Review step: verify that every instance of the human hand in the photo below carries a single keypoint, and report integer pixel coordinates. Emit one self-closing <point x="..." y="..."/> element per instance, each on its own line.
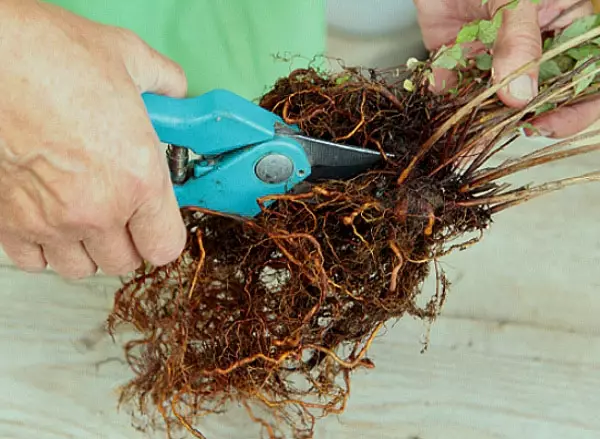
<point x="518" y="43"/>
<point x="83" y="180"/>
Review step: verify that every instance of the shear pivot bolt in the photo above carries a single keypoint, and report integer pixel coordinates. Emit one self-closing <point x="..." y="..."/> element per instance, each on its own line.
<point x="178" y="159"/>
<point x="274" y="168"/>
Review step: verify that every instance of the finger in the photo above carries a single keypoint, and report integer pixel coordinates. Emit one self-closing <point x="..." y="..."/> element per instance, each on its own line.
<point x="157" y="228"/>
<point x="113" y="252"/>
<point x="560" y="13"/>
<point x="443" y="80"/>
<point x="25" y="255"/>
<point x="568" y="121"/>
<point x="150" y="70"/>
<point x="519" y="42"/>
<point x="69" y="259"/>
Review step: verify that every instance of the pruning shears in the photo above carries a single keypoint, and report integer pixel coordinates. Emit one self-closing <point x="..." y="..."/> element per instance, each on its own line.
<point x="225" y="152"/>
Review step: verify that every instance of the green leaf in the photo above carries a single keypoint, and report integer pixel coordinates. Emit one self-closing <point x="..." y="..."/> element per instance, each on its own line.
<point x="548" y="43"/>
<point x="549" y="69"/>
<point x="565" y="62"/>
<point x="484" y="61"/>
<point x="468" y="33"/>
<point x="545" y="107"/>
<point x="577" y="28"/>
<point x="582" y="52"/>
<point x="343" y="79"/>
<point x="488" y="29"/>
<point x="584" y="83"/>
<point x="408" y="85"/>
<point x="448" y="58"/>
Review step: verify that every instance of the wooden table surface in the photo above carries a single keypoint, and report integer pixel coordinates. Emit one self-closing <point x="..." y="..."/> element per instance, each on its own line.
<point x="515" y="355"/>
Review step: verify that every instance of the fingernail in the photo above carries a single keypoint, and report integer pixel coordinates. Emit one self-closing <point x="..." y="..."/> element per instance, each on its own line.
<point x="522" y="88"/>
<point x="544" y="132"/>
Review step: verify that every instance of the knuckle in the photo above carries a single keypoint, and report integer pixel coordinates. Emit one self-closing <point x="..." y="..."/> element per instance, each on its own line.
<point x="526" y="41"/>
<point x="95" y="217"/>
<point x="164" y="255"/>
<point x="82" y="219"/>
<point x="520" y="43"/>
<point x="149" y="182"/>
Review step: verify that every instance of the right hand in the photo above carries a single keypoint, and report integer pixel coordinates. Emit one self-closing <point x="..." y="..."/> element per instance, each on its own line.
<point x="83" y="179"/>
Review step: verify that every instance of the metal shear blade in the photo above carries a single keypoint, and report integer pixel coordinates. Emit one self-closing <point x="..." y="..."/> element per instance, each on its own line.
<point x="330" y="160"/>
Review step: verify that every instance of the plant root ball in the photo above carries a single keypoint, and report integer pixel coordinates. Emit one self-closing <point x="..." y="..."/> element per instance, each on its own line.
<point x="276" y="312"/>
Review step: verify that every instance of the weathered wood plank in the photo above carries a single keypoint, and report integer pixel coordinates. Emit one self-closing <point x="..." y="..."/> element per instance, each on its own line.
<point x="479" y="379"/>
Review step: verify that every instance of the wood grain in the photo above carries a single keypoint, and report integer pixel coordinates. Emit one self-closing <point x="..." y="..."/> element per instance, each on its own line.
<point x="479" y="379"/>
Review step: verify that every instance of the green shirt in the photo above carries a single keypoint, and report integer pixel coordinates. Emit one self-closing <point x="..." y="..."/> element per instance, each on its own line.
<point x="233" y="44"/>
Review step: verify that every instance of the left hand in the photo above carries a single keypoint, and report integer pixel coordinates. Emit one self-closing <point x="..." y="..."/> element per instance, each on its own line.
<point x="518" y="43"/>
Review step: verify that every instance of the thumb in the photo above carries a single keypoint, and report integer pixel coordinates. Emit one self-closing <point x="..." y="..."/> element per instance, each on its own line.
<point x="519" y="42"/>
<point x="157" y="228"/>
<point x="150" y="70"/>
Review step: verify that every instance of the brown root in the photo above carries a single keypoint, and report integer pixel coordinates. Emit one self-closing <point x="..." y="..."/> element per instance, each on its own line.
<point x="276" y="312"/>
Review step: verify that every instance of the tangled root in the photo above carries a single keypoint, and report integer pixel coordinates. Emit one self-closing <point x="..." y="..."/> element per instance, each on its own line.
<point x="276" y="312"/>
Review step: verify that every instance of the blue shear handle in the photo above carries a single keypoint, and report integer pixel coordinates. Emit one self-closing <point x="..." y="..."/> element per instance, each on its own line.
<point x="233" y="186"/>
<point x="210" y="124"/>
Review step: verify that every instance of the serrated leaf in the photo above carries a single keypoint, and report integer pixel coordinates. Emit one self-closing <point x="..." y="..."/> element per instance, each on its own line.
<point x="577" y="28"/>
<point x="468" y="33"/>
<point x="445" y="62"/>
<point x="549" y="69"/>
<point x="488" y="29"/>
<point x="448" y="58"/>
<point x="484" y="61"/>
